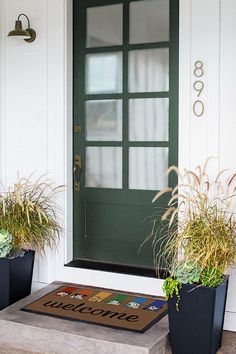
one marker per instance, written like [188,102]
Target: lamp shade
[19,32]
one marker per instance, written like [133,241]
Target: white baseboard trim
[36,285]
[230,321]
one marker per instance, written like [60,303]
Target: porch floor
[29,332]
[228,343]
[229,346]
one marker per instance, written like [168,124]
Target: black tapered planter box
[15,278]
[197,327]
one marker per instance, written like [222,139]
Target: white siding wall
[33,97]
[35,110]
[227,143]
[207,33]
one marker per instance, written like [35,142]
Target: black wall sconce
[28,34]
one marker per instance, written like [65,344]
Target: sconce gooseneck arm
[28,35]
[26,18]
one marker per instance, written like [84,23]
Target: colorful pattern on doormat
[105,307]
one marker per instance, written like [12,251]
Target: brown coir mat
[112,308]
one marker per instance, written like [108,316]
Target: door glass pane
[103,167]
[104,120]
[147,168]
[149,70]
[104,73]
[149,21]
[149,119]
[104,25]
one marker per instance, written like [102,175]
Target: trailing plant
[171,286]
[28,211]
[196,241]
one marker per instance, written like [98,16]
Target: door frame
[55,267]
[172,143]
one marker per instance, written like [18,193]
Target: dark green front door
[125,123]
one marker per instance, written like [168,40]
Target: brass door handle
[77,168]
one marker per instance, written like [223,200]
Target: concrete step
[6,349]
[42,334]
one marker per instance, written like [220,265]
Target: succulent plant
[5,243]
[188,273]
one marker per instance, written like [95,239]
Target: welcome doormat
[116,309]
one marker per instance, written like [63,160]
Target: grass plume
[28,210]
[199,225]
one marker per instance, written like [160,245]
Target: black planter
[197,327]
[15,278]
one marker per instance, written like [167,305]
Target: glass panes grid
[104,73]
[103,120]
[105,25]
[103,167]
[147,168]
[124,119]
[149,70]
[149,21]
[149,119]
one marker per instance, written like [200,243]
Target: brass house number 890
[198,86]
